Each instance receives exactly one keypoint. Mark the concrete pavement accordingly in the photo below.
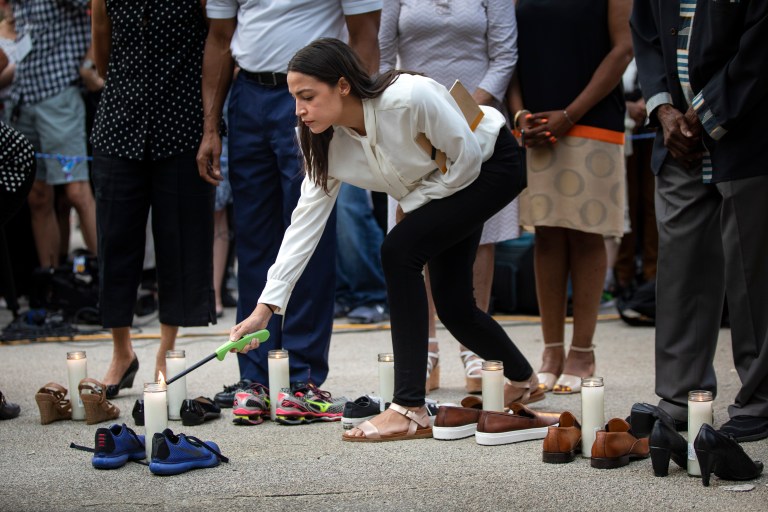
(285, 468)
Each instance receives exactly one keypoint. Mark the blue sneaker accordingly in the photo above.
(172, 454)
(117, 445)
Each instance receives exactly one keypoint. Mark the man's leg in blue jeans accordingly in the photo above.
(360, 278)
(266, 177)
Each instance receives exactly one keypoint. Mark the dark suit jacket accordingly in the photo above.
(727, 63)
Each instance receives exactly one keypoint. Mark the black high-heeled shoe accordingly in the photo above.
(666, 443)
(720, 454)
(138, 413)
(643, 416)
(126, 381)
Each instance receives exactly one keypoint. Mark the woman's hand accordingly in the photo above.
(256, 322)
(544, 128)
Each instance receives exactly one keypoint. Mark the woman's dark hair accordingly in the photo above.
(328, 60)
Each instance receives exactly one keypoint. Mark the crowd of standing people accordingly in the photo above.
(311, 121)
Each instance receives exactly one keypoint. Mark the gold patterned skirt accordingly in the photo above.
(577, 183)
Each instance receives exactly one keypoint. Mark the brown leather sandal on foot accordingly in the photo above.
(52, 404)
(524, 392)
(94, 397)
(419, 428)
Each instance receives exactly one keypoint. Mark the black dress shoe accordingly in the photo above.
(226, 398)
(643, 416)
(126, 381)
(720, 454)
(666, 443)
(197, 411)
(746, 428)
(8, 410)
(138, 413)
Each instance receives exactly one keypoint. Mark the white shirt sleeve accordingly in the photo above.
(300, 240)
(221, 9)
(436, 114)
(352, 7)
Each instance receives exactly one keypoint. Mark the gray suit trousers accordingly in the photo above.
(712, 238)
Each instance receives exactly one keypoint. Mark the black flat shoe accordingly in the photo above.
(138, 413)
(666, 443)
(643, 416)
(198, 411)
(720, 454)
(746, 428)
(8, 410)
(126, 381)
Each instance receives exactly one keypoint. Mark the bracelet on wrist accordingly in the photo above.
(516, 121)
(270, 307)
(568, 118)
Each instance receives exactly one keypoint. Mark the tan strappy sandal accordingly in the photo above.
(523, 392)
(52, 404)
(569, 384)
(94, 397)
(547, 379)
(473, 371)
(419, 428)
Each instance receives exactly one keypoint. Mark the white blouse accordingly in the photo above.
(387, 159)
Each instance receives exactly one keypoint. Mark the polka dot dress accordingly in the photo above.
(151, 107)
(17, 157)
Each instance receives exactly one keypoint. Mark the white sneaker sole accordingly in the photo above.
(514, 436)
(453, 433)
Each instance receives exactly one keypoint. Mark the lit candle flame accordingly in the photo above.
(160, 378)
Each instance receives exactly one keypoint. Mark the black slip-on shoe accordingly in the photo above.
(198, 411)
(746, 428)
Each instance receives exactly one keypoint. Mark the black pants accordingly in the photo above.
(182, 226)
(445, 233)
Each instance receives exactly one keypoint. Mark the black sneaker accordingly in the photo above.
(8, 410)
(226, 398)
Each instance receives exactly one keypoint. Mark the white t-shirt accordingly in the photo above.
(270, 32)
(387, 160)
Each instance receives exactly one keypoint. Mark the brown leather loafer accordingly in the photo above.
(562, 442)
(519, 424)
(616, 445)
(457, 422)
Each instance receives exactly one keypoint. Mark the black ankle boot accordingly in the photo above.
(720, 454)
(666, 443)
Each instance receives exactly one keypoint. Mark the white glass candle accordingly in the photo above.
(493, 385)
(592, 412)
(77, 370)
(279, 377)
(175, 363)
(386, 378)
(699, 412)
(155, 411)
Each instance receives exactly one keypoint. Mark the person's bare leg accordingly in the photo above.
(80, 195)
(45, 228)
(167, 342)
(551, 273)
(220, 247)
(588, 265)
(122, 355)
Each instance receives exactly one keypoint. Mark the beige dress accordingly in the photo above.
(577, 183)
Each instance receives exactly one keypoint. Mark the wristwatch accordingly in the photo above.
(88, 64)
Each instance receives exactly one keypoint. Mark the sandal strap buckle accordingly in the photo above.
(422, 421)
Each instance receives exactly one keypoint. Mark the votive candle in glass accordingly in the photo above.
(175, 363)
(155, 411)
(279, 377)
(77, 370)
(592, 412)
(386, 378)
(493, 385)
(699, 413)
